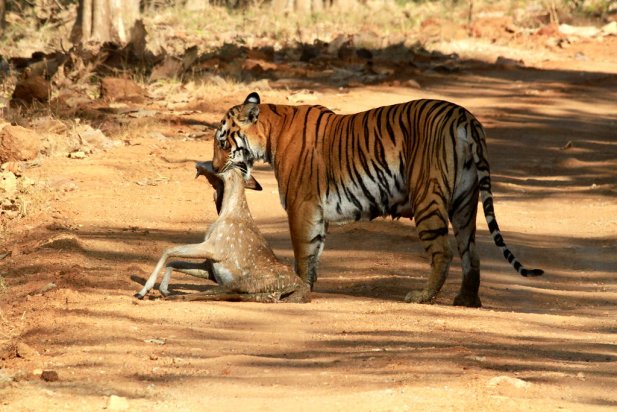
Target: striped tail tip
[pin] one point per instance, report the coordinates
(531, 272)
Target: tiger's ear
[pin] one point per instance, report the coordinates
(248, 114)
(252, 98)
(251, 183)
(253, 114)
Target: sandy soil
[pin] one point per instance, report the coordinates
(539, 344)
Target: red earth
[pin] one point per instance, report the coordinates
(550, 343)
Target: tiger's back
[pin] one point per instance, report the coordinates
(424, 159)
(373, 163)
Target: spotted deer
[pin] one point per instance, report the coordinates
(237, 256)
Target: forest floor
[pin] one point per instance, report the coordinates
(550, 343)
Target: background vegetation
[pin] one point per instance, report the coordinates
(211, 22)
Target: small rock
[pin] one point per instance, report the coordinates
(117, 89)
(609, 29)
(117, 403)
(50, 376)
(30, 88)
(507, 380)
(413, 84)
(581, 31)
(508, 63)
(560, 42)
(8, 183)
(152, 181)
(580, 56)
(5, 378)
(18, 143)
(77, 155)
(368, 40)
(24, 184)
(54, 144)
(91, 138)
(11, 214)
(21, 376)
(158, 341)
(25, 351)
(13, 167)
(50, 125)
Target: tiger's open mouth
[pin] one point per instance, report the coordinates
(207, 169)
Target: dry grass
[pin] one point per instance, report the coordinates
(175, 28)
(259, 26)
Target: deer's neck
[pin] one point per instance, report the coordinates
(234, 203)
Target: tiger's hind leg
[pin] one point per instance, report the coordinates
(464, 224)
(432, 225)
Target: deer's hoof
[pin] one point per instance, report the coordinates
(420, 296)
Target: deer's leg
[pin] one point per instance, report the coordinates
(195, 251)
(308, 234)
(301, 294)
(221, 293)
(200, 270)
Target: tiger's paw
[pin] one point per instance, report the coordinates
(466, 300)
(419, 296)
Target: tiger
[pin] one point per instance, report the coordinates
(424, 160)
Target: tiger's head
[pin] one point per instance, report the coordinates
(237, 140)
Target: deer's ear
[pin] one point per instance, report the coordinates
(251, 183)
(218, 196)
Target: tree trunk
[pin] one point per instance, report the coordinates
(2, 10)
(105, 20)
(101, 21)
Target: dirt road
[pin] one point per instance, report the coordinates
(538, 344)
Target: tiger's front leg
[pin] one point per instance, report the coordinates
(308, 234)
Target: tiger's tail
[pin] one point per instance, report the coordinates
(478, 148)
